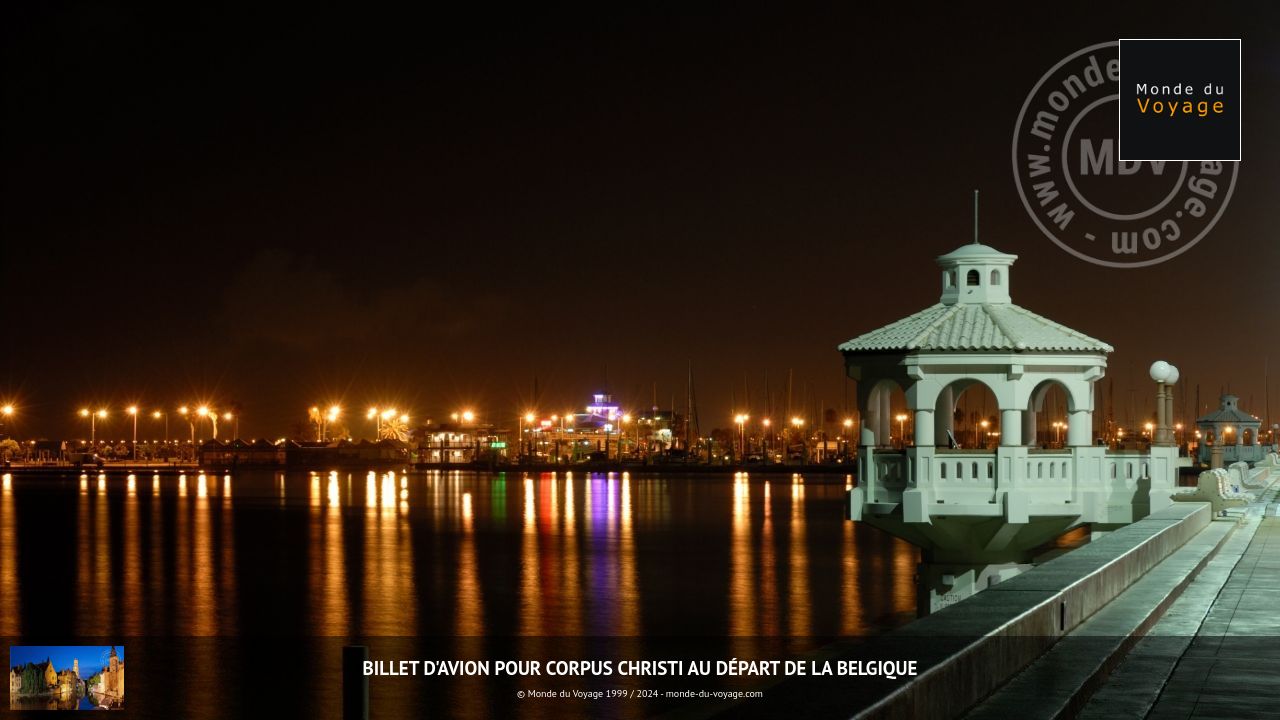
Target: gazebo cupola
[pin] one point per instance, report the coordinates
(977, 274)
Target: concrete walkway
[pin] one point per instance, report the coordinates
(1216, 652)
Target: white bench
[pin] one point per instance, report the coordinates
(1218, 488)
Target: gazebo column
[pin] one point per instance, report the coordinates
(924, 427)
(943, 418)
(1079, 428)
(884, 433)
(1029, 426)
(1010, 428)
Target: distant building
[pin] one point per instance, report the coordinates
(36, 678)
(460, 443)
(658, 430)
(69, 679)
(344, 452)
(110, 687)
(240, 452)
(289, 452)
(1233, 430)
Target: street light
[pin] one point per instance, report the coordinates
(93, 422)
(159, 414)
(902, 428)
(204, 412)
(741, 420)
(331, 416)
(984, 425)
(526, 419)
(235, 424)
(468, 416)
(133, 411)
(185, 413)
(797, 422)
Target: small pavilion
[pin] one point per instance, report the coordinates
(1232, 430)
(976, 513)
(975, 334)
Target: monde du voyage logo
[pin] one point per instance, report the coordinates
(1072, 182)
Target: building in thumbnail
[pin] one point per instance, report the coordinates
(110, 687)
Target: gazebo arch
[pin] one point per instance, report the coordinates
(875, 406)
(945, 404)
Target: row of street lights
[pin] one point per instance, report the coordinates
(381, 417)
(201, 412)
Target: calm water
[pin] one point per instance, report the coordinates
(234, 591)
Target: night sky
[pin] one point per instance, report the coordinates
(285, 208)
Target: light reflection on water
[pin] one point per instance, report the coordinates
(446, 555)
(548, 569)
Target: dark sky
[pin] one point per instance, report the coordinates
(280, 208)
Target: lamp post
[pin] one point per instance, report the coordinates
(133, 412)
(525, 420)
(331, 417)
(204, 412)
(6, 412)
(186, 414)
(93, 422)
(846, 434)
(741, 420)
(560, 435)
(984, 425)
(768, 439)
(379, 416)
(159, 414)
(798, 423)
(902, 428)
(235, 423)
(623, 421)
(1166, 376)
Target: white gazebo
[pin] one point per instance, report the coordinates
(1232, 432)
(977, 513)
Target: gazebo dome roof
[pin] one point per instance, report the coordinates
(968, 327)
(976, 252)
(975, 313)
(1229, 411)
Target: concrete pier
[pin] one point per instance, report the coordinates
(1216, 653)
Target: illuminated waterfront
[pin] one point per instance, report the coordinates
(471, 563)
